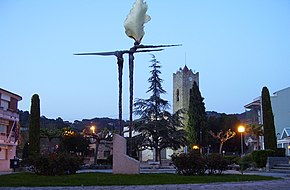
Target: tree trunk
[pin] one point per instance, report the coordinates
(157, 152)
(221, 147)
(258, 142)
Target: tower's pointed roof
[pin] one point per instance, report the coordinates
(185, 68)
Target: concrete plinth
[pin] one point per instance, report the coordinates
(122, 163)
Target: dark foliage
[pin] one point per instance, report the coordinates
(270, 141)
(34, 126)
(75, 143)
(197, 119)
(25, 151)
(280, 152)
(216, 164)
(232, 159)
(189, 164)
(159, 128)
(246, 162)
(55, 164)
(195, 164)
(260, 157)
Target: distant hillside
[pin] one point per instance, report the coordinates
(58, 123)
(241, 116)
(100, 123)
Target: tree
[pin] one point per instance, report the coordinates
(270, 140)
(256, 130)
(50, 134)
(222, 122)
(34, 126)
(196, 117)
(159, 128)
(74, 142)
(223, 137)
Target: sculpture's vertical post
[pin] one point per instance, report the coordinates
(120, 62)
(131, 74)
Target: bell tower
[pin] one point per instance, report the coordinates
(183, 81)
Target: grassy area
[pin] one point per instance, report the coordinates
(102, 179)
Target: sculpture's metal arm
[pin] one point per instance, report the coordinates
(117, 53)
(155, 46)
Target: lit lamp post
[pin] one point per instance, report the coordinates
(93, 129)
(241, 129)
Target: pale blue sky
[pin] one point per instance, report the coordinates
(237, 47)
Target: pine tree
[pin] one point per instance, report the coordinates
(159, 128)
(270, 141)
(195, 128)
(34, 126)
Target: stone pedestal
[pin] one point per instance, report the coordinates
(122, 163)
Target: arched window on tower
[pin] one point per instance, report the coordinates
(177, 95)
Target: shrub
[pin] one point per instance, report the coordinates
(231, 159)
(189, 164)
(260, 157)
(280, 152)
(55, 164)
(246, 162)
(216, 164)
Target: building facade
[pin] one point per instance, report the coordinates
(9, 119)
(183, 81)
(281, 111)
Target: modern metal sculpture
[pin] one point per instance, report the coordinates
(134, 28)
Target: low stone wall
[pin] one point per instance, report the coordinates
(122, 163)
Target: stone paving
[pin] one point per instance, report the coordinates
(283, 184)
(261, 185)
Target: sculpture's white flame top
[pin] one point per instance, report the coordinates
(134, 23)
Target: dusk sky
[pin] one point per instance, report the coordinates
(237, 47)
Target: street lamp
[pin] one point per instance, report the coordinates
(92, 128)
(241, 129)
(195, 147)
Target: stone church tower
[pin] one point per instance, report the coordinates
(182, 83)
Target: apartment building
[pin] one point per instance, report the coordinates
(9, 119)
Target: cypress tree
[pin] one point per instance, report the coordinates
(34, 126)
(196, 117)
(270, 140)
